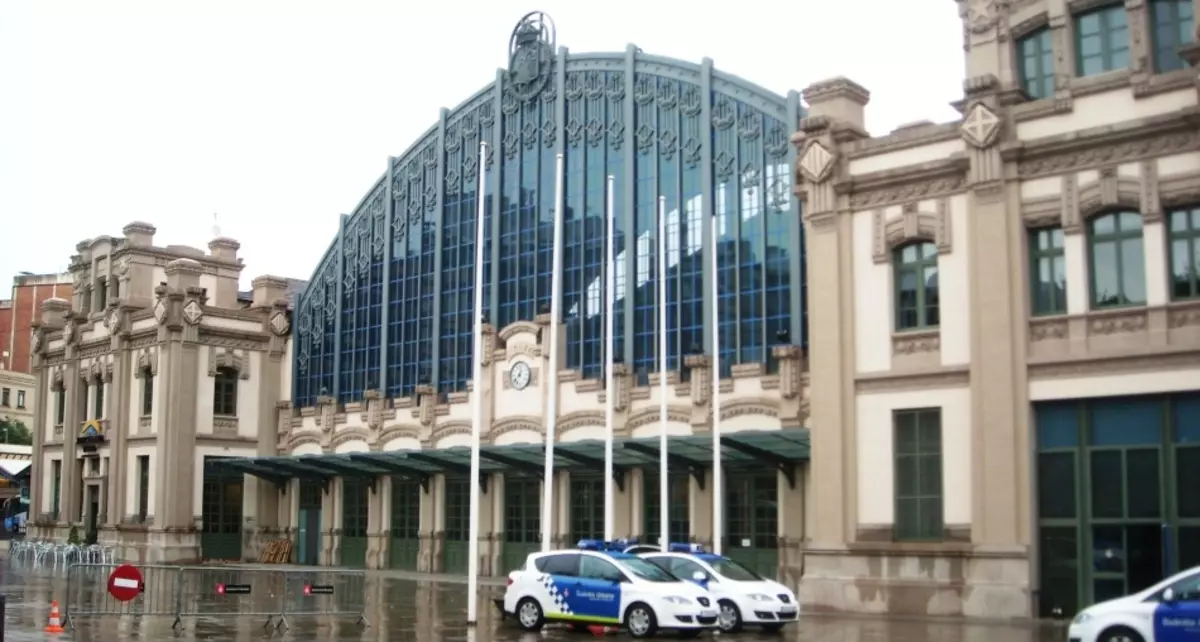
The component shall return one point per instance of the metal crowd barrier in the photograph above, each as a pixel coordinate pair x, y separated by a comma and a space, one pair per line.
219, 592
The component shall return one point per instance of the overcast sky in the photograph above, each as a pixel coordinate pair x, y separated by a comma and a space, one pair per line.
278, 115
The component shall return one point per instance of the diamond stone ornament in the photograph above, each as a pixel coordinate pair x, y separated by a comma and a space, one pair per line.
160, 311
192, 312
816, 162
981, 126
279, 324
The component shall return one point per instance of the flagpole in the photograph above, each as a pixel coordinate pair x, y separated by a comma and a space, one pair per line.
476, 399
718, 490
610, 281
664, 502
552, 362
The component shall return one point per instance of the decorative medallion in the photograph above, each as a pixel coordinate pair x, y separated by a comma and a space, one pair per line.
160, 310
816, 162
530, 55
279, 324
192, 312
982, 15
112, 320
981, 126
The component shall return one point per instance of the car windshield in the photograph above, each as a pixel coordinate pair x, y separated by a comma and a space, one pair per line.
730, 569
646, 570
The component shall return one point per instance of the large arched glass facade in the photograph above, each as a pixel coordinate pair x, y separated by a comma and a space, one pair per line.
389, 305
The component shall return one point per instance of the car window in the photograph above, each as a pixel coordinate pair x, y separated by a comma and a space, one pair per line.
559, 564
734, 571
595, 568
647, 570
1188, 588
684, 568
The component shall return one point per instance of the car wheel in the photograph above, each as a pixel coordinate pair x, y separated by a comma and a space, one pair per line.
640, 620
729, 617
772, 628
1120, 634
529, 614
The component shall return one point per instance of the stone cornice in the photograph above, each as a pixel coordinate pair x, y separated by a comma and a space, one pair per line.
1107, 144
906, 183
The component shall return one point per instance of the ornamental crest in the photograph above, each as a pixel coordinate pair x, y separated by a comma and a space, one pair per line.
531, 55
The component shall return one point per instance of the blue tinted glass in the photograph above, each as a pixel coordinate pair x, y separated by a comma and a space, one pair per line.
1057, 424
1129, 421
1185, 417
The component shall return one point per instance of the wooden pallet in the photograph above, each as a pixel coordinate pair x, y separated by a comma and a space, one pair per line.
277, 551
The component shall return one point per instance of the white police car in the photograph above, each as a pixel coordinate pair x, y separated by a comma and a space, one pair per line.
600, 584
1166, 612
743, 596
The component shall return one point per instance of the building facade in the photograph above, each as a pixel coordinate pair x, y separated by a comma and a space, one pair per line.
19, 314
17, 391
155, 362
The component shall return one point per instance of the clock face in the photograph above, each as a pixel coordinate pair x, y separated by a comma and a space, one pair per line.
520, 375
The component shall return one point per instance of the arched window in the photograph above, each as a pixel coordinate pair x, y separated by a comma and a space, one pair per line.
225, 392
1117, 262
916, 286
147, 392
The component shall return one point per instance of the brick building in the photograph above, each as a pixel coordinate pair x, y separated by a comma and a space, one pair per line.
18, 313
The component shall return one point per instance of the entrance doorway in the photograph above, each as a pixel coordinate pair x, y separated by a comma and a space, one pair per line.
405, 545
93, 522
1113, 517
355, 507
308, 530
458, 522
752, 521
522, 520
221, 513
587, 507
679, 506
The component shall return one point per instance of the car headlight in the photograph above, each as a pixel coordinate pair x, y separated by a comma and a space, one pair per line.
677, 599
759, 597
1083, 616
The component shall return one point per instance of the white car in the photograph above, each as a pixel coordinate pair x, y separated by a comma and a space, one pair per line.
743, 596
599, 584
1166, 612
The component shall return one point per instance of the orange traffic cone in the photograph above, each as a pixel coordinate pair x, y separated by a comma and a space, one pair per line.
55, 625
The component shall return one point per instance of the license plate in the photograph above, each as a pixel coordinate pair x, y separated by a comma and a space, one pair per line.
708, 613
787, 609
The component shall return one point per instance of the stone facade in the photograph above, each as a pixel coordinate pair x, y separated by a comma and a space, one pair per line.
126, 376
973, 190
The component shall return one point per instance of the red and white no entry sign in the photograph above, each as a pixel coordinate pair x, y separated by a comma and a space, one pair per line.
125, 582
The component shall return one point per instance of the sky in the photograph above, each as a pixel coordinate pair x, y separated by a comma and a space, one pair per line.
278, 115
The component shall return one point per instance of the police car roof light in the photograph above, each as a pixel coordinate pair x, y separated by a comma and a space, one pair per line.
602, 546
685, 547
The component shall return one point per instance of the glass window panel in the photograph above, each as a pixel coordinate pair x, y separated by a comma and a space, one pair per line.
1187, 479
1105, 274
1107, 589
1126, 422
1056, 485
1144, 483
1057, 424
906, 475
1108, 549
1185, 419
906, 433
930, 476
1189, 546
1108, 484
1059, 560
1133, 271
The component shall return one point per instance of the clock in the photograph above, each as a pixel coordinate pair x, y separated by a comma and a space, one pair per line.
520, 375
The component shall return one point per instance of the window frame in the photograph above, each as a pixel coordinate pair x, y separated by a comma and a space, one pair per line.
98, 400
1037, 254
1171, 51
1190, 236
148, 392
1041, 42
225, 392
918, 497
60, 410
5, 396
1116, 237
143, 487
1103, 13
20, 400
917, 266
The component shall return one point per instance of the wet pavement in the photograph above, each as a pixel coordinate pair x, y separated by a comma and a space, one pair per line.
396, 608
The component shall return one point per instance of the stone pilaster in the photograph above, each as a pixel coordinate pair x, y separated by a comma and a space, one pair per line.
120, 415
76, 413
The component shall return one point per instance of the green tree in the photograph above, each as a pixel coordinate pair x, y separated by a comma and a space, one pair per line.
15, 432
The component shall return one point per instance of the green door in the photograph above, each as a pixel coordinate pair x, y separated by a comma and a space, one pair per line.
405, 546
308, 530
355, 508
221, 514
587, 508
458, 516
680, 526
752, 521
522, 521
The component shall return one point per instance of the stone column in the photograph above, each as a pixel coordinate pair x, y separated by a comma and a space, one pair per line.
179, 311
261, 503
120, 415
53, 313
76, 411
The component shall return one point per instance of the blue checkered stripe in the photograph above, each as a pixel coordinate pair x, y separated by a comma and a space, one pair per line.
560, 602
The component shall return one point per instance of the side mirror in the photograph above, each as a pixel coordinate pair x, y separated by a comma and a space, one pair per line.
1168, 595
701, 578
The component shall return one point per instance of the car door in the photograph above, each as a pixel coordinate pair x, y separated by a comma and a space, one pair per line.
558, 581
599, 591
1178, 619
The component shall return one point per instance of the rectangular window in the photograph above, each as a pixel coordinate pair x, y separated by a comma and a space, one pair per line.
55, 486
918, 474
1048, 271
1117, 262
143, 487
98, 409
1183, 234
147, 393
1171, 27
4, 397
1036, 58
60, 412
1101, 40
101, 296
20, 399
916, 287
